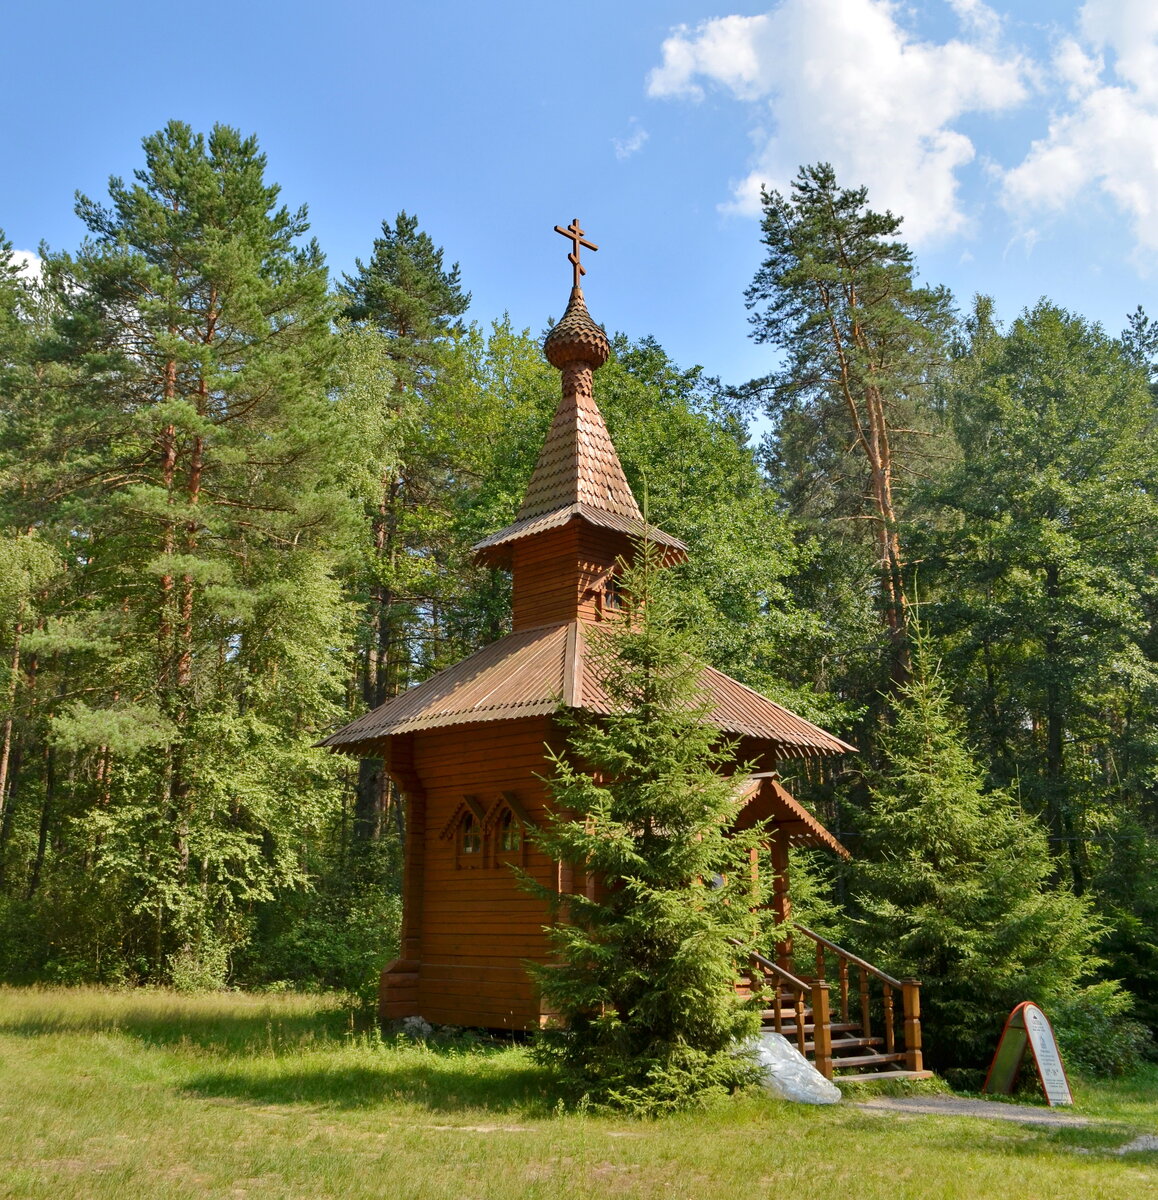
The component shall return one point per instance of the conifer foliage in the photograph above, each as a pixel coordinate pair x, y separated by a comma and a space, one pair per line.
644, 991
955, 885
185, 464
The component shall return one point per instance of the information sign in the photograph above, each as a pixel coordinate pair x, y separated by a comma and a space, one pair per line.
1028, 1025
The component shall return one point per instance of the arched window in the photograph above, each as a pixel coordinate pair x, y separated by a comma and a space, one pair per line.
469, 835
612, 597
466, 829
506, 827
510, 833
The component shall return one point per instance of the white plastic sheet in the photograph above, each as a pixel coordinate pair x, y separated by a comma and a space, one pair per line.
787, 1074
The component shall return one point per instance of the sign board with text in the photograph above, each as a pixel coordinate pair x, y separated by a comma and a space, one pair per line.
1028, 1026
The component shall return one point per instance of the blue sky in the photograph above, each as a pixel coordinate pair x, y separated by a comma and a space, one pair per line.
1019, 139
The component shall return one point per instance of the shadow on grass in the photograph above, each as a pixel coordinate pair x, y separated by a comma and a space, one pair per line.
272, 1029
435, 1082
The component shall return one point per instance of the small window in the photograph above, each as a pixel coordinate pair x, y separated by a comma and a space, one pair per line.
469, 835
506, 830
510, 833
466, 831
612, 593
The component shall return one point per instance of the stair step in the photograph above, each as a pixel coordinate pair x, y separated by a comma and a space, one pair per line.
788, 1028
880, 1076
855, 1043
868, 1060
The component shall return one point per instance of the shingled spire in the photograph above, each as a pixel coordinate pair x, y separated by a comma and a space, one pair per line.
578, 473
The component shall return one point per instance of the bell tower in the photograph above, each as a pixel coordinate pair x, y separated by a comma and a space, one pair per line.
578, 517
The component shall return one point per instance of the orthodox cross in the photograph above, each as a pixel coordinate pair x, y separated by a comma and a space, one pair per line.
577, 239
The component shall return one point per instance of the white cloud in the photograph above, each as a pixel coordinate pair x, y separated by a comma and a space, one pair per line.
29, 263
979, 17
632, 144
843, 81
1105, 140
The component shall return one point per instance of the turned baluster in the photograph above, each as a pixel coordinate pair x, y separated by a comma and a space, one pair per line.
890, 1034
800, 1038
864, 1003
777, 1002
844, 990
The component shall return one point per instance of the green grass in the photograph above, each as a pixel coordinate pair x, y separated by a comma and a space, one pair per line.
151, 1094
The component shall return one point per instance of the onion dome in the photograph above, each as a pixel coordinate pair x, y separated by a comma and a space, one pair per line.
576, 339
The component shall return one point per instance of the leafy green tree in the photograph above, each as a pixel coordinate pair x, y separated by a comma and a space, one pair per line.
954, 883
1041, 553
861, 344
645, 986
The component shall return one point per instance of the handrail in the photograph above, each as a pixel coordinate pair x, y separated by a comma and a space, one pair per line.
787, 976
845, 954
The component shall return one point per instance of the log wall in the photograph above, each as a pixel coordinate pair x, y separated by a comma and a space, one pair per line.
560, 575
468, 928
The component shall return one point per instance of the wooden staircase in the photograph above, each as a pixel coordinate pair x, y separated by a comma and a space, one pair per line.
853, 1033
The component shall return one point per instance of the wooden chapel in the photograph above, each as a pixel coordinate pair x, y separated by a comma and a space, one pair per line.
468, 746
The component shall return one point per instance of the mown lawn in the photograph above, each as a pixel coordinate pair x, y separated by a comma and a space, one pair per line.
151, 1094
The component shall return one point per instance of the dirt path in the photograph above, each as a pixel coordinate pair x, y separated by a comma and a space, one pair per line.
954, 1106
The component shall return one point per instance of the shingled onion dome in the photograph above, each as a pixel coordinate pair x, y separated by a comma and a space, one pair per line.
575, 340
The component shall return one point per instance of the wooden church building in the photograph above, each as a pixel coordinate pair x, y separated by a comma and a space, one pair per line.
467, 747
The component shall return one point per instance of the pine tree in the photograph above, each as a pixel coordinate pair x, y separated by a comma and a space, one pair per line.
646, 985
954, 885
191, 469
836, 293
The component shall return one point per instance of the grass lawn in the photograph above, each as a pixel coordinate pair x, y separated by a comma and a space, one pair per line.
151, 1094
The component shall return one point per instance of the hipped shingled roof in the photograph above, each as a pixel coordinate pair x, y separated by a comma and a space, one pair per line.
532, 672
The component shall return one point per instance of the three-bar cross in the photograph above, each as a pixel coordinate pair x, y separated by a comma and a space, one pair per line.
574, 232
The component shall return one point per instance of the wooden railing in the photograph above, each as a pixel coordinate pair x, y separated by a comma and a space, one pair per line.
909, 990
806, 995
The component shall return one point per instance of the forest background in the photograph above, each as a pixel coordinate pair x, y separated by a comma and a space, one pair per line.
236, 504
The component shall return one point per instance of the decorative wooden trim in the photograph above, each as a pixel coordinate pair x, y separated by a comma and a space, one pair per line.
507, 802
572, 686
466, 804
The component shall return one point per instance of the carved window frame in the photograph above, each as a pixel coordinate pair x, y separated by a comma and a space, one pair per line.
467, 830
508, 805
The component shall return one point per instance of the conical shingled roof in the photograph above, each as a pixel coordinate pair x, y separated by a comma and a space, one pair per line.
578, 465
578, 472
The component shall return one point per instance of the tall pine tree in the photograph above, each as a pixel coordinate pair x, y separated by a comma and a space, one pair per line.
836, 292
192, 471
406, 294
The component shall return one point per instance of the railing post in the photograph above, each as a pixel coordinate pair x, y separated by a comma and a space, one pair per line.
865, 1002
911, 994
821, 1029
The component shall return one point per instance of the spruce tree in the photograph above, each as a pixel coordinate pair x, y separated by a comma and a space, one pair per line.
954, 885
645, 987
414, 303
